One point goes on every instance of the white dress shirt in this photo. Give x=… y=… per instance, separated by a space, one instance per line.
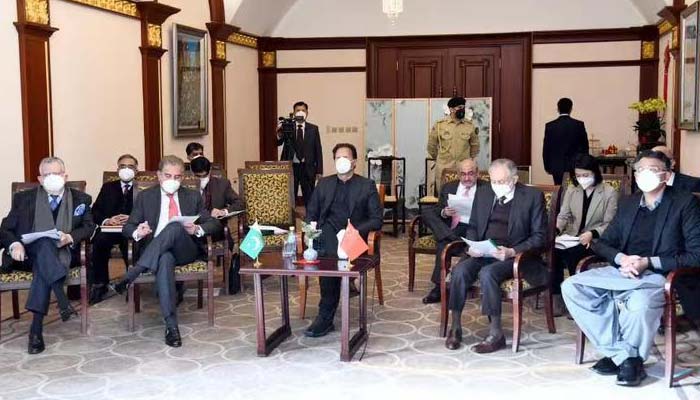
x=163 y=217
x=462 y=191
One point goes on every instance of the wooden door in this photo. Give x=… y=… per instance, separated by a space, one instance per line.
x=421 y=72
x=473 y=71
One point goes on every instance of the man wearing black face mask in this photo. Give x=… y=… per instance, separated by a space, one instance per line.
x=454 y=138
x=304 y=151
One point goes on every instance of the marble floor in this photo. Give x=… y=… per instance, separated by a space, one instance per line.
x=404 y=357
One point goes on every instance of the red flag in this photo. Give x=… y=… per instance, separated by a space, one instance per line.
x=353 y=245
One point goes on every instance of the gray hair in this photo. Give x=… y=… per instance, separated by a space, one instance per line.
x=51 y=160
x=507 y=163
x=171 y=160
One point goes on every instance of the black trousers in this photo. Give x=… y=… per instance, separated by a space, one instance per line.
x=567 y=259
x=490 y=273
x=172 y=247
x=327 y=246
x=42 y=255
x=302 y=178
x=102 y=244
x=459 y=231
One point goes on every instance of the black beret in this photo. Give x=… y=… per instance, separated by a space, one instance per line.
x=456 y=101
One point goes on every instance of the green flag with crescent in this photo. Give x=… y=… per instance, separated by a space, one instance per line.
x=253 y=242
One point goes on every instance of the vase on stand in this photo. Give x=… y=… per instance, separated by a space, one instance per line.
x=310 y=254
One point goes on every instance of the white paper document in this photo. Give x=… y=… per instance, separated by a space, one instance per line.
x=275 y=230
x=566 y=242
x=461 y=204
x=28 y=238
x=183 y=219
x=485 y=247
x=231 y=214
x=111 y=228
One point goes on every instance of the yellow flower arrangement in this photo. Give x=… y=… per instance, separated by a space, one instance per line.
x=649 y=105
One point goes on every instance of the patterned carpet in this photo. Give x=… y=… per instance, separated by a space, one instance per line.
x=404 y=358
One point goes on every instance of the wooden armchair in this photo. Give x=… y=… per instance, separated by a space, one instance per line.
x=392 y=174
x=671 y=309
x=517 y=289
x=269 y=165
x=22 y=280
x=199 y=271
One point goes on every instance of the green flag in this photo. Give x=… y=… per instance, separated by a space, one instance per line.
x=253 y=243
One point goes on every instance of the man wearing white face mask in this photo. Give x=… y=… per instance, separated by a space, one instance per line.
x=337 y=199
x=619 y=307
x=303 y=148
x=165 y=245
x=50 y=206
x=112 y=208
x=513 y=216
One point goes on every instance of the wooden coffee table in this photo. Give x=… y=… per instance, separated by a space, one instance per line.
x=273 y=264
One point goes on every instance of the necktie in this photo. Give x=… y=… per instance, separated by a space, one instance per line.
x=455 y=218
x=502 y=200
x=172 y=207
x=126 y=188
x=300 y=143
x=54 y=203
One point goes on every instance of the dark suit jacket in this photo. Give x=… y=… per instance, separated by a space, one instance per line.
x=222 y=196
x=366 y=214
x=563 y=138
x=147 y=208
x=20 y=220
x=313 y=156
x=111 y=201
x=676 y=235
x=686 y=183
x=432 y=216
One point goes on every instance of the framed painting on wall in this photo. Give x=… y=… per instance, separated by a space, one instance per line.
x=189 y=60
x=689 y=68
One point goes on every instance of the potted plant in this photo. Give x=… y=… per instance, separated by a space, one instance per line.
x=650 y=126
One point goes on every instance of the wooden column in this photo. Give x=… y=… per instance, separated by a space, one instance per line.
x=153 y=15
x=672 y=15
x=267 y=86
x=219 y=33
x=34 y=30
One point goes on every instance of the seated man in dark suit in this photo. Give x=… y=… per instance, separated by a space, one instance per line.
x=337 y=199
x=50 y=206
x=163 y=245
x=677 y=180
x=513 y=216
x=112 y=208
x=444 y=221
x=619 y=307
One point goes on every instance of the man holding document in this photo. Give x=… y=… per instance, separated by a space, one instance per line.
x=449 y=219
x=508 y=218
x=169 y=222
x=42 y=233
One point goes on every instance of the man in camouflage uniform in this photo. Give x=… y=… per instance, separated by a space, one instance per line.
x=452 y=139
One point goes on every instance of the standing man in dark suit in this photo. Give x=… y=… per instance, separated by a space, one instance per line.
x=563 y=139
x=112 y=208
x=618 y=307
x=446 y=223
x=677 y=180
x=165 y=245
x=513 y=216
x=50 y=206
x=337 y=199
x=303 y=148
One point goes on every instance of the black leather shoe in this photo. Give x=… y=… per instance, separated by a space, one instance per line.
x=631 y=372
x=320 y=327
x=35 y=344
x=454 y=339
x=119 y=287
x=432 y=297
x=68 y=313
x=605 y=366
x=172 y=337
x=97 y=294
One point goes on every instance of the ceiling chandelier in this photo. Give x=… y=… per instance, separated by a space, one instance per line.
x=392 y=9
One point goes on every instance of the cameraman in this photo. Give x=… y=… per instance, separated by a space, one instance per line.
x=302 y=145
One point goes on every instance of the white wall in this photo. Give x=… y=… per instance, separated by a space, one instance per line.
x=96 y=90
x=315 y=18
x=194 y=14
x=690 y=144
x=10 y=105
x=242 y=108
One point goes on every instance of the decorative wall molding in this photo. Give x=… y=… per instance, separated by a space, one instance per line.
x=123 y=7
x=219 y=50
x=243 y=39
x=155 y=38
x=317 y=70
x=648 y=50
x=37 y=11
x=268 y=59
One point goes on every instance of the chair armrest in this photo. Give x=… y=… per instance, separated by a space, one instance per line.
x=588 y=263
x=451 y=248
x=413 y=229
x=674 y=276
x=210 y=248
x=84 y=252
x=374 y=240
x=520 y=260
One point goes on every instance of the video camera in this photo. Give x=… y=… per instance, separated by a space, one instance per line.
x=288 y=126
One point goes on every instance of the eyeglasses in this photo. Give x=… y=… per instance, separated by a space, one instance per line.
x=506 y=181
x=651 y=168
x=470 y=174
x=170 y=176
x=122 y=166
